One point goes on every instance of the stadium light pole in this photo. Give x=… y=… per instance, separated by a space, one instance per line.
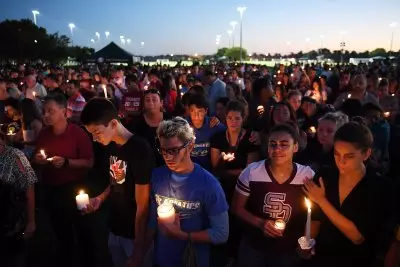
x=241 y=10
x=35 y=13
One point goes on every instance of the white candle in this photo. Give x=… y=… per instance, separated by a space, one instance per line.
x=43 y=153
x=312 y=129
x=280 y=225
x=34 y=94
x=166 y=213
x=349 y=95
x=105 y=91
x=82 y=200
x=308 y=224
x=386 y=114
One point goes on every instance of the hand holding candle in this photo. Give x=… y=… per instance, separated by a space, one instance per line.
x=82 y=200
x=280 y=225
x=260 y=110
x=228 y=156
x=386 y=114
x=166 y=213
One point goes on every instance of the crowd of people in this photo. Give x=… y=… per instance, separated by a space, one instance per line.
x=207 y=165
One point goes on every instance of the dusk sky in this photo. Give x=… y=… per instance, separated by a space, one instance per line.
x=189 y=27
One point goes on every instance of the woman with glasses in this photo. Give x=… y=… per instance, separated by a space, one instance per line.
x=269 y=193
x=145 y=125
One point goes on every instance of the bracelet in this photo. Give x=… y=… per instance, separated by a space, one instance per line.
x=397 y=233
x=66 y=163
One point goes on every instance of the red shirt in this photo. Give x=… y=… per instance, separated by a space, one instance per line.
x=132 y=101
x=74 y=143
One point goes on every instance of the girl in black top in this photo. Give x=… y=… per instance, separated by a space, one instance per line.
x=145 y=125
x=351 y=202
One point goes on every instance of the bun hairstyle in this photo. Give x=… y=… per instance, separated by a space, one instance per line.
x=339 y=118
x=357 y=133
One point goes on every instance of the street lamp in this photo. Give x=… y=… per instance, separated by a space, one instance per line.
x=229 y=39
x=35 y=13
x=392 y=25
x=342 y=46
x=233 y=24
x=71 y=28
x=241 y=10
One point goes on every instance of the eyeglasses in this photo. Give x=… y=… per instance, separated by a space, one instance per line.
x=172 y=151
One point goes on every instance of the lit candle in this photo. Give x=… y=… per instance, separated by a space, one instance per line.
x=189 y=72
x=43 y=153
x=229 y=156
x=224 y=72
x=291 y=75
x=279 y=83
x=34 y=94
x=82 y=200
x=312 y=129
x=280 y=225
x=166 y=213
x=274 y=76
x=349 y=95
x=386 y=114
x=180 y=86
x=10 y=132
x=279 y=71
x=392 y=94
x=308 y=224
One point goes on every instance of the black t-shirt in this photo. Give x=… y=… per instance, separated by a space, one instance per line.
x=220 y=141
x=367 y=206
x=136 y=159
x=139 y=126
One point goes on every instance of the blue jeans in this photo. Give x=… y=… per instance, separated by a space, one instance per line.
x=250 y=257
x=120 y=249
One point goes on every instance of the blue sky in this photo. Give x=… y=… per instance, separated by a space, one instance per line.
x=178 y=26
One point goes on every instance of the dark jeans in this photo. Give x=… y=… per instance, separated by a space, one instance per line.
x=11 y=251
x=87 y=234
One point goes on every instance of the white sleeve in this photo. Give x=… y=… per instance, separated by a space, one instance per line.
x=243 y=183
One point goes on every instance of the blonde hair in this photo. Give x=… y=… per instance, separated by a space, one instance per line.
x=176 y=127
x=339 y=118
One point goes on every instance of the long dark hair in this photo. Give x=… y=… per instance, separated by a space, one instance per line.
x=29 y=112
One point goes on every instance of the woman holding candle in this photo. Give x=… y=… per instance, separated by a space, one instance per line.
x=269 y=190
x=347 y=197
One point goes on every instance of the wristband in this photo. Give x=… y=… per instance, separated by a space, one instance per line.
x=66 y=163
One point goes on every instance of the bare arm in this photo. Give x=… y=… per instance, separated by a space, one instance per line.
x=30 y=203
x=239 y=209
x=142 y=196
x=80 y=163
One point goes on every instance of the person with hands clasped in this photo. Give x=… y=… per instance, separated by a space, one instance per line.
x=268 y=198
x=131 y=162
x=64 y=151
x=350 y=202
x=188 y=210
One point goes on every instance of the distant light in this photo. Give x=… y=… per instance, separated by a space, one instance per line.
x=35 y=41
x=172 y=55
x=196 y=55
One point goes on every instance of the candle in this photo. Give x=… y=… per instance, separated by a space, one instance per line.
x=10 y=132
x=229 y=156
x=224 y=72
x=92 y=85
x=43 y=153
x=279 y=83
x=34 y=94
x=291 y=75
x=166 y=213
x=386 y=114
x=280 y=225
x=312 y=129
x=308 y=224
x=105 y=90
x=392 y=94
x=279 y=71
x=82 y=200
x=349 y=95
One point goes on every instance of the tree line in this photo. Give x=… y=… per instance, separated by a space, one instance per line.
x=22 y=40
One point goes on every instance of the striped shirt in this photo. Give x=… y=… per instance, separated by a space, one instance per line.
x=76 y=103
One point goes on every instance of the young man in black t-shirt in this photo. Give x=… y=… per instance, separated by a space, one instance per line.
x=131 y=164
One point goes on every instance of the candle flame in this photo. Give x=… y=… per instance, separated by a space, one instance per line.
x=81 y=192
x=312 y=129
x=308 y=203
x=349 y=95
